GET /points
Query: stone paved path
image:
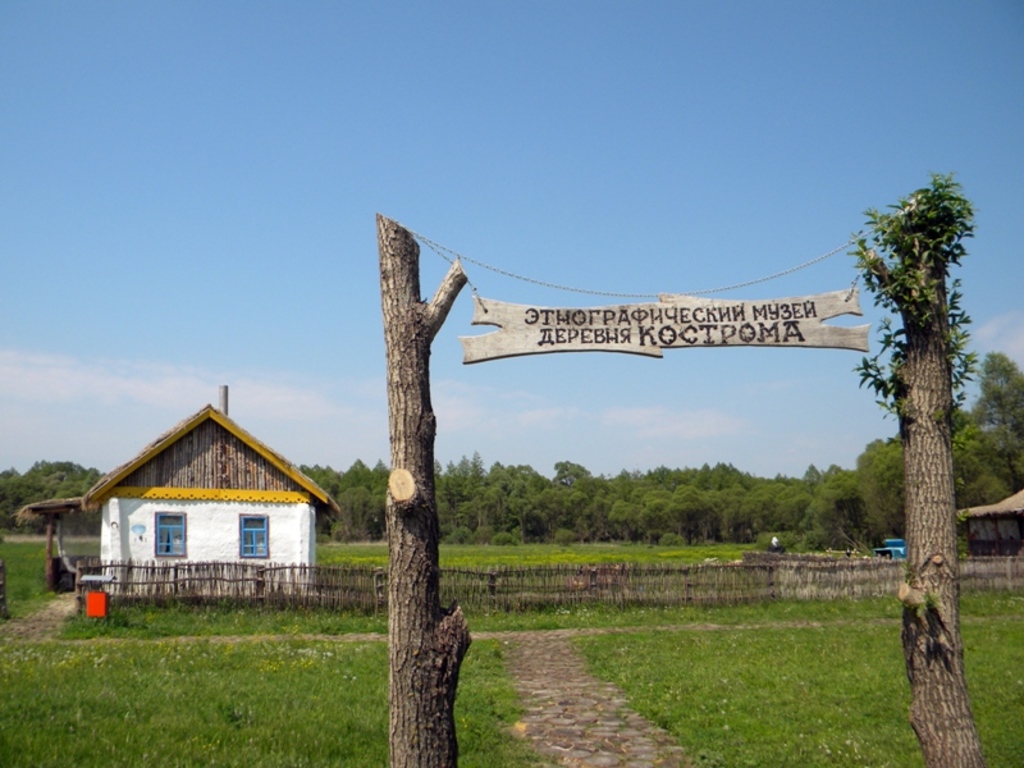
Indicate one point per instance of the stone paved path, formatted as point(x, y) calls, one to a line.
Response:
point(576, 719)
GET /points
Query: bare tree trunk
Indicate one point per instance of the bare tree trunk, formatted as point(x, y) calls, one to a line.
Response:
point(940, 712)
point(426, 642)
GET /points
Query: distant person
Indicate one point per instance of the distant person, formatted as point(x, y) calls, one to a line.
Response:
point(775, 548)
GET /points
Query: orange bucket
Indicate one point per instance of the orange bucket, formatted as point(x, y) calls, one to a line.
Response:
point(97, 604)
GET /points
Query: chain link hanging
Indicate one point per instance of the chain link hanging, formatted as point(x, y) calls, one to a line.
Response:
point(451, 256)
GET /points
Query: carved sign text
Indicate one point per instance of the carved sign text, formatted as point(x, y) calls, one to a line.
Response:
point(674, 322)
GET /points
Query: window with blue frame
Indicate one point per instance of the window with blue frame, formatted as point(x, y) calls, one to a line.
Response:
point(170, 535)
point(254, 537)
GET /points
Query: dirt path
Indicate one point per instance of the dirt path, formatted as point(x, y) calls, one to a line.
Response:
point(44, 624)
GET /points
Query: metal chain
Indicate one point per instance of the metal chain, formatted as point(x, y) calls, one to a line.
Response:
point(441, 250)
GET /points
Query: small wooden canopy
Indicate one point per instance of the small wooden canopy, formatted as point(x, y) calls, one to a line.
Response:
point(171, 463)
point(49, 509)
point(1008, 507)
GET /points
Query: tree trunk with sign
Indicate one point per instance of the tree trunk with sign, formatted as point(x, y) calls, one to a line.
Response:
point(426, 642)
point(916, 246)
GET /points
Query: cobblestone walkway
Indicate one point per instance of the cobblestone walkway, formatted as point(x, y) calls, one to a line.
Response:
point(575, 719)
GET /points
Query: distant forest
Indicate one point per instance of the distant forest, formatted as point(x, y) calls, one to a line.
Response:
point(501, 504)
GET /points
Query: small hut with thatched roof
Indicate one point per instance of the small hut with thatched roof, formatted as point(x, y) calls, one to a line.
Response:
point(996, 529)
point(60, 566)
point(208, 491)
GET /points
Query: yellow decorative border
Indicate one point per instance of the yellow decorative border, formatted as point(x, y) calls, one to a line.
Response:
point(209, 494)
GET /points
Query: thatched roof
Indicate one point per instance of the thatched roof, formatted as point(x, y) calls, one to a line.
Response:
point(102, 489)
point(32, 512)
point(1005, 508)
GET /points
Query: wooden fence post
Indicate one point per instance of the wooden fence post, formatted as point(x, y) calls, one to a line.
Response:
point(261, 583)
point(378, 587)
point(3, 590)
point(79, 600)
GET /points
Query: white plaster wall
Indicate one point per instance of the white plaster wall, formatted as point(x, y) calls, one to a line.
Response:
point(212, 530)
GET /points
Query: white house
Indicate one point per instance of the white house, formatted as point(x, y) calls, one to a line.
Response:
point(208, 491)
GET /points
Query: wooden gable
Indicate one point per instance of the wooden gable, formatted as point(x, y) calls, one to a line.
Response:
point(208, 456)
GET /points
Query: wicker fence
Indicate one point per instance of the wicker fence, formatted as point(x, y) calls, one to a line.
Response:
point(513, 589)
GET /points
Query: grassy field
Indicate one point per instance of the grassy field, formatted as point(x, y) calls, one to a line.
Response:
point(26, 576)
point(782, 683)
point(482, 556)
point(147, 622)
point(827, 695)
point(252, 703)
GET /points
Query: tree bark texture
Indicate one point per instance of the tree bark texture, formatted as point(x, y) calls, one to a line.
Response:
point(940, 711)
point(426, 642)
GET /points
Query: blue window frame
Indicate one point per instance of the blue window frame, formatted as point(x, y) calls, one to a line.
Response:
point(254, 537)
point(170, 535)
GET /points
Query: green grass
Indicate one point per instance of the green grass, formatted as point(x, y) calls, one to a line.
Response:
point(26, 576)
point(253, 703)
point(482, 556)
point(144, 622)
point(152, 622)
point(809, 684)
point(149, 622)
point(829, 695)
point(781, 683)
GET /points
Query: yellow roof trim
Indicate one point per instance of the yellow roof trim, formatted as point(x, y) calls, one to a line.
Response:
point(209, 494)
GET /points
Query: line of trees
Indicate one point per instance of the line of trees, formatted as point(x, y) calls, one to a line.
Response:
point(834, 507)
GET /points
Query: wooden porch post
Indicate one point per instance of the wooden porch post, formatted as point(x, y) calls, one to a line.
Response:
point(51, 572)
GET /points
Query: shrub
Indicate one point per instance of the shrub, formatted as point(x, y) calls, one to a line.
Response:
point(564, 537)
point(503, 539)
point(483, 534)
point(671, 540)
point(460, 535)
point(339, 531)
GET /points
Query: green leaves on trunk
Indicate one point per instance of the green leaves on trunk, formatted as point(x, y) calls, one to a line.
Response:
point(905, 261)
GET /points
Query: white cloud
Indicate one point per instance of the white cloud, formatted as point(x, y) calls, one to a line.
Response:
point(1003, 333)
point(658, 423)
point(463, 407)
point(99, 412)
point(44, 378)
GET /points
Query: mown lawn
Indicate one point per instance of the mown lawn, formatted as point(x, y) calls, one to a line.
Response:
point(828, 695)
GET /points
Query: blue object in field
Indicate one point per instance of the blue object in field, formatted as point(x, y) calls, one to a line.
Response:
point(895, 549)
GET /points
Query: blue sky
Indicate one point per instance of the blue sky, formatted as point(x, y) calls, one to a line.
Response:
point(188, 192)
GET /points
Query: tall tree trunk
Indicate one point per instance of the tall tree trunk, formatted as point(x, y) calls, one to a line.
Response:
point(426, 643)
point(940, 712)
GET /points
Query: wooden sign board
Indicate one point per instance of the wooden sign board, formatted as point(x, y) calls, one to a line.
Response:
point(674, 322)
